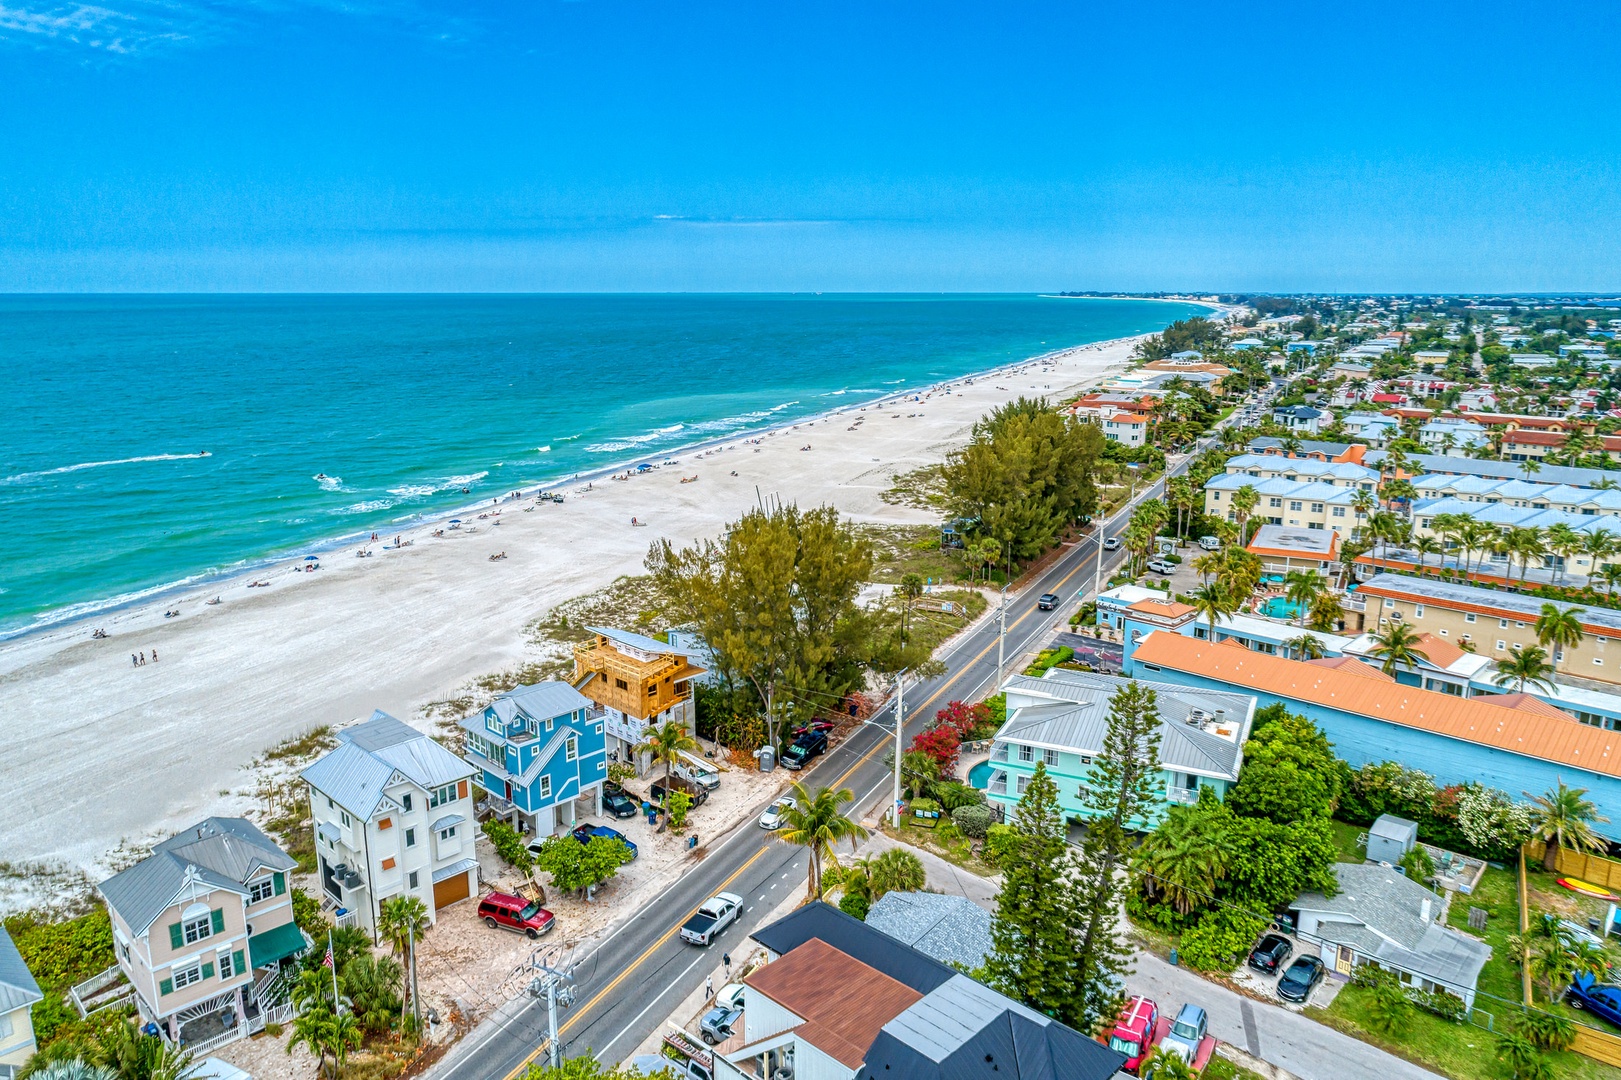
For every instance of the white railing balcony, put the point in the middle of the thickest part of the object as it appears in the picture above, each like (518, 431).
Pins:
(349, 917)
(1186, 796)
(999, 752)
(199, 1050)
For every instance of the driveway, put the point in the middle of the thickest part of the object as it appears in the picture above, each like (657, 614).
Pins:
(1270, 1032)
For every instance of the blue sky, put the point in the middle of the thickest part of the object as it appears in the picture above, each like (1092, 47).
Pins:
(607, 145)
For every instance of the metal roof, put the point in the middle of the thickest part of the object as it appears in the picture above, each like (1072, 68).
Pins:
(853, 937)
(1309, 543)
(951, 929)
(1455, 594)
(1381, 915)
(643, 642)
(17, 986)
(355, 772)
(218, 853)
(1077, 719)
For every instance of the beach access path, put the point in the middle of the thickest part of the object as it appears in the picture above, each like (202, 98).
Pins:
(112, 754)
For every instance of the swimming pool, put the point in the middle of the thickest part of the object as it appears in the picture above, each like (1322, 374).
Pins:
(980, 775)
(1280, 608)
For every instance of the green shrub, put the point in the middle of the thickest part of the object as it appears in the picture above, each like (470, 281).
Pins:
(923, 805)
(1172, 559)
(953, 795)
(509, 844)
(999, 841)
(307, 914)
(680, 803)
(1218, 940)
(973, 821)
(854, 905)
(61, 952)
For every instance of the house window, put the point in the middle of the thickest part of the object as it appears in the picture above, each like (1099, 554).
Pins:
(1339, 511)
(343, 815)
(225, 965)
(1502, 624)
(405, 802)
(1023, 782)
(1597, 662)
(184, 977)
(1027, 753)
(262, 889)
(1501, 644)
(447, 833)
(1294, 504)
(1418, 611)
(1050, 757)
(413, 879)
(551, 722)
(545, 787)
(1390, 603)
(1317, 508)
(1274, 502)
(1086, 759)
(1469, 618)
(441, 795)
(1443, 633)
(492, 723)
(599, 729)
(1519, 626)
(410, 838)
(571, 749)
(197, 929)
(621, 684)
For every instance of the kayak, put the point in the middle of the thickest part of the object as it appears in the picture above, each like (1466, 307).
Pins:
(1588, 888)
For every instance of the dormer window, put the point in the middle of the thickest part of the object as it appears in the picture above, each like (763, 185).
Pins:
(492, 723)
(261, 890)
(195, 927)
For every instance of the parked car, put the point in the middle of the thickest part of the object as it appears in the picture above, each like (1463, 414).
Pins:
(814, 725)
(1161, 566)
(805, 747)
(1270, 953)
(655, 793)
(716, 1025)
(1047, 601)
(620, 804)
(1210, 543)
(1133, 1033)
(731, 996)
(1301, 979)
(507, 912)
(586, 833)
(1602, 1000)
(1188, 1033)
(716, 914)
(1111, 543)
(772, 818)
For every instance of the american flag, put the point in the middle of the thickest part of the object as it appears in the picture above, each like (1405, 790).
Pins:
(326, 961)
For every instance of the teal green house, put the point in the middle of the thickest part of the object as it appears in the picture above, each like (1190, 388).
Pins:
(1061, 720)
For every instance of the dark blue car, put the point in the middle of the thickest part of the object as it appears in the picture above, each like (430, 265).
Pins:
(586, 833)
(1602, 1001)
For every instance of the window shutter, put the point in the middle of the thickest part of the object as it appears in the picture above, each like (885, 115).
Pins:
(461, 790)
(237, 964)
(208, 969)
(218, 917)
(279, 883)
(166, 987)
(177, 938)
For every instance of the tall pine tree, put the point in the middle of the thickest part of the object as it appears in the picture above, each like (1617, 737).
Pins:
(1124, 788)
(1032, 958)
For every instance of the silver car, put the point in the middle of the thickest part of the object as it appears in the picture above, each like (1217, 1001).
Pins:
(772, 818)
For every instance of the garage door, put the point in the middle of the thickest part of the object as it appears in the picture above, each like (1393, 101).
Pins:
(449, 891)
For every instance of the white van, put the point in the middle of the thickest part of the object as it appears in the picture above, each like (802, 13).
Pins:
(1210, 543)
(695, 769)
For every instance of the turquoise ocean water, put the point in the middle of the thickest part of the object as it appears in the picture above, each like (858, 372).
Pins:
(403, 401)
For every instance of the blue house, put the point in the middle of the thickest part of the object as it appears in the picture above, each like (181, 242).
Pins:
(538, 751)
(1508, 743)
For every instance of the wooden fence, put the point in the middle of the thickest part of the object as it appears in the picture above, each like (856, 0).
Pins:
(1598, 1045)
(1579, 864)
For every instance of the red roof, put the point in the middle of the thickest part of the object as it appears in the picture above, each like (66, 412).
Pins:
(1389, 399)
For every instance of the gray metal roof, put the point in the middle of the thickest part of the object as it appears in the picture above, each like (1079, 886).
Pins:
(1078, 719)
(1392, 827)
(544, 700)
(218, 853)
(355, 772)
(642, 641)
(1310, 543)
(18, 989)
(1530, 607)
(951, 929)
(1379, 912)
(1548, 474)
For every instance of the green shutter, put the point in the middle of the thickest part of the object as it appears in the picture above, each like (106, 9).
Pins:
(219, 920)
(177, 939)
(166, 986)
(280, 883)
(237, 963)
(208, 969)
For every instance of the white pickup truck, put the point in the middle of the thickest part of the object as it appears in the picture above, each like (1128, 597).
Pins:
(713, 916)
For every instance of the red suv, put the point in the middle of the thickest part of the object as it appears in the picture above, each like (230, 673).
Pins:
(515, 913)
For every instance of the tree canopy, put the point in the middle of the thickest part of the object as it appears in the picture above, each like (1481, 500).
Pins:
(1289, 773)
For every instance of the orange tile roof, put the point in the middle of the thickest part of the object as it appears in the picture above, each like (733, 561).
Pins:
(1170, 609)
(1533, 733)
(1353, 666)
(1528, 703)
(1128, 418)
(844, 1002)
(1439, 651)
(1535, 438)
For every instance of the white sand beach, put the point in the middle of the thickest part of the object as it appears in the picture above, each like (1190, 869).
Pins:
(107, 753)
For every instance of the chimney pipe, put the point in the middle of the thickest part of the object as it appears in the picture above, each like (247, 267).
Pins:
(1424, 910)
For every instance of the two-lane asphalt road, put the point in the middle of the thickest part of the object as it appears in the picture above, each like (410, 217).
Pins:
(630, 982)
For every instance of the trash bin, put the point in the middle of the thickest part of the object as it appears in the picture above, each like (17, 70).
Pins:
(1173, 956)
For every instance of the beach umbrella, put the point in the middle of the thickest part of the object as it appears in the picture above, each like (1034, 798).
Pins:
(455, 521)
(312, 558)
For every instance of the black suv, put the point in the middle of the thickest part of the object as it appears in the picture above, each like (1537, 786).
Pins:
(1047, 601)
(805, 747)
(1270, 953)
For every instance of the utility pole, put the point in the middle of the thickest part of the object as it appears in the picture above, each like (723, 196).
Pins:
(900, 723)
(1001, 636)
(550, 982)
(416, 1000)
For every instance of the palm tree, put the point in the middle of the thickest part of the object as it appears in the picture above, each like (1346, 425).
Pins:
(1597, 545)
(1559, 628)
(896, 870)
(1524, 545)
(1245, 499)
(1213, 601)
(1563, 817)
(1524, 1060)
(1362, 502)
(1181, 861)
(1612, 577)
(72, 1069)
(134, 1056)
(1425, 546)
(1304, 647)
(1527, 665)
(1163, 1064)
(1300, 589)
(815, 823)
(1181, 494)
(1399, 648)
(400, 920)
(667, 742)
(325, 1032)
(1563, 541)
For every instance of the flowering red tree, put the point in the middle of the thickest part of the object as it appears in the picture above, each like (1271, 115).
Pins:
(963, 719)
(940, 743)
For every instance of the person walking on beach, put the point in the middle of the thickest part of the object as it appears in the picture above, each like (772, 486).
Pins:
(143, 656)
(154, 656)
(133, 662)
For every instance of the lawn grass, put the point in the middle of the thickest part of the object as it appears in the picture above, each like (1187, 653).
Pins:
(1498, 892)
(1461, 1051)
(1222, 1069)
(1345, 838)
(898, 550)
